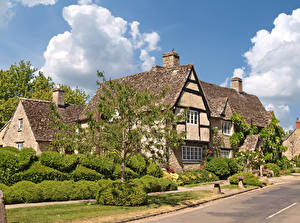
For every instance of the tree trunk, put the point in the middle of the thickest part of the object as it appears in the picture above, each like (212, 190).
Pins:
(123, 170)
(2, 209)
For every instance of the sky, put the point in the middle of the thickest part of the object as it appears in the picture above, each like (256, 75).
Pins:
(69, 40)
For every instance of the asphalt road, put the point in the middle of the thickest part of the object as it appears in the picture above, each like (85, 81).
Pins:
(275, 204)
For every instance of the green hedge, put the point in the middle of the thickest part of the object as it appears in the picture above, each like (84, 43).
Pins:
(138, 163)
(83, 173)
(196, 176)
(222, 167)
(129, 173)
(118, 193)
(274, 167)
(154, 169)
(61, 162)
(249, 179)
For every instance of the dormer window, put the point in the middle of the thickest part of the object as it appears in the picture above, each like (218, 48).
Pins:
(193, 117)
(20, 124)
(226, 127)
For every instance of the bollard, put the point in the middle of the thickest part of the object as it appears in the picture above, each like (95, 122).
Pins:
(2, 209)
(217, 188)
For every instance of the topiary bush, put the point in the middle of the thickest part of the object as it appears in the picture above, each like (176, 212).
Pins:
(38, 173)
(26, 157)
(56, 190)
(154, 169)
(249, 179)
(9, 149)
(118, 193)
(138, 163)
(22, 192)
(274, 167)
(196, 176)
(84, 190)
(219, 166)
(129, 174)
(233, 166)
(83, 173)
(61, 162)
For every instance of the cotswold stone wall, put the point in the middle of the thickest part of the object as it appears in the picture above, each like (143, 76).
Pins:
(293, 144)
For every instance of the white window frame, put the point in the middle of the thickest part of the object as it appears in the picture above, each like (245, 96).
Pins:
(192, 153)
(226, 128)
(225, 153)
(20, 124)
(20, 145)
(193, 117)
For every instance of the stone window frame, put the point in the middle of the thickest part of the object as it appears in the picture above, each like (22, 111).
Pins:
(19, 145)
(227, 128)
(191, 153)
(193, 117)
(20, 124)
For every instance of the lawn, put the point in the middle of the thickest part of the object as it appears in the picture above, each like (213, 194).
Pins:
(91, 212)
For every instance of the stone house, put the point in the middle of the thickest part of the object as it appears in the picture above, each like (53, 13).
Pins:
(292, 142)
(30, 123)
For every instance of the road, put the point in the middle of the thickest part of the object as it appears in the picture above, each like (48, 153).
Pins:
(275, 204)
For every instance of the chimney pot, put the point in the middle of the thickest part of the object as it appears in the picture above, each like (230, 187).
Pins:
(58, 96)
(237, 84)
(170, 59)
(297, 124)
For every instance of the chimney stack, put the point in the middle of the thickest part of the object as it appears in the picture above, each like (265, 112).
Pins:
(170, 59)
(298, 124)
(58, 97)
(237, 84)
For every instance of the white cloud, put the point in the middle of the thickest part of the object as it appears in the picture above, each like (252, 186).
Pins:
(283, 113)
(97, 41)
(274, 64)
(239, 72)
(85, 2)
(225, 83)
(5, 12)
(31, 3)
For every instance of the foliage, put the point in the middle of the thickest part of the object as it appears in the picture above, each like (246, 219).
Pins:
(216, 144)
(154, 169)
(296, 160)
(56, 190)
(118, 193)
(153, 184)
(84, 190)
(250, 160)
(272, 141)
(249, 179)
(219, 166)
(129, 173)
(137, 163)
(196, 176)
(83, 173)
(128, 116)
(284, 163)
(61, 162)
(274, 167)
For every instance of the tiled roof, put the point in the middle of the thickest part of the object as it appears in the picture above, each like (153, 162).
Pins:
(247, 105)
(37, 112)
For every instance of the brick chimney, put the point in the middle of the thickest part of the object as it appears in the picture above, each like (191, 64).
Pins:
(58, 97)
(298, 124)
(237, 84)
(170, 59)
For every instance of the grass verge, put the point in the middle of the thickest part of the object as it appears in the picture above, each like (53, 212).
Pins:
(91, 212)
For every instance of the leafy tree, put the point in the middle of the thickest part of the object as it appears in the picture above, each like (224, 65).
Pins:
(135, 121)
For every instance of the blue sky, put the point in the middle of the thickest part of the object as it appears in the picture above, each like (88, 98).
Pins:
(70, 40)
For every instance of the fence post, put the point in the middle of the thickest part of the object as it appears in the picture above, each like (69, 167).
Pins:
(2, 209)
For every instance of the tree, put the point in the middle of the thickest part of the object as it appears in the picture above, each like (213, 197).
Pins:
(134, 121)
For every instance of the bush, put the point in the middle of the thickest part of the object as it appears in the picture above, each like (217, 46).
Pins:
(23, 192)
(219, 166)
(137, 163)
(56, 190)
(150, 183)
(129, 174)
(154, 169)
(296, 160)
(233, 165)
(3, 187)
(274, 167)
(9, 161)
(26, 157)
(196, 176)
(166, 184)
(121, 194)
(83, 173)
(38, 173)
(284, 163)
(84, 190)
(249, 179)
(9, 149)
(102, 164)
(61, 162)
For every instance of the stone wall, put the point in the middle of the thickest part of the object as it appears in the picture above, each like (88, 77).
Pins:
(293, 144)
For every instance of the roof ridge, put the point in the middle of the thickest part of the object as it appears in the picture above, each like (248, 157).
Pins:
(33, 99)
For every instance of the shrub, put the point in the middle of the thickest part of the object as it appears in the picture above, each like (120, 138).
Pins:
(150, 184)
(196, 176)
(26, 157)
(121, 194)
(61, 162)
(219, 166)
(83, 173)
(9, 161)
(102, 164)
(56, 190)
(249, 179)
(38, 173)
(284, 163)
(233, 165)
(166, 184)
(23, 192)
(84, 190)
(296, 160)
(129, 174)
(137, 163)
(9, 149)
(3, 187)
(154, 169)
(274, 167)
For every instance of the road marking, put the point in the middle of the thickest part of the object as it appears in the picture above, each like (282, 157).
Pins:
(281, 210)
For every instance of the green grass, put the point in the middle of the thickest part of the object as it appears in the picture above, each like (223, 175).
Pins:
(69, 212)
(198, 184)
(230, 186)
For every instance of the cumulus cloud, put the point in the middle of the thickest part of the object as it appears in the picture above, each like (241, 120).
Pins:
(97, 41)
(274, 65)
(31, 3)
(239, 72)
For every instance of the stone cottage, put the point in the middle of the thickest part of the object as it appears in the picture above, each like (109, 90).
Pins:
(292, 142)
(30, 123)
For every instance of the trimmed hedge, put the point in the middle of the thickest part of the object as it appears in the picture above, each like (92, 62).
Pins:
(222, 167)
(129, 174)
(196, 176)
(118, 193)
(154, 169)
(138, 163)
(61, 162)
(249, 179)
(274, 167)
(83, 173)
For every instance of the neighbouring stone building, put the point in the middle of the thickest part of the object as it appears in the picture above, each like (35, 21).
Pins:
(30, 123)
(210, 106)
(292, 142)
